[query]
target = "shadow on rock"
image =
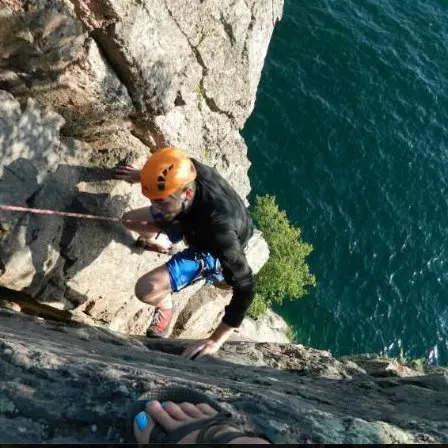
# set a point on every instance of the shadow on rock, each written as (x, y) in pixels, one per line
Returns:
(44, 236)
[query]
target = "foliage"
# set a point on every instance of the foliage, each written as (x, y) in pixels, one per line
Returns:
(286, 274)
(258, 307)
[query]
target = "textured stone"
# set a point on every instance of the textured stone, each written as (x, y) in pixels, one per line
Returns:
(62, 381)
(31, 149)
(268, 328)
(230, 41)
(382, 367)
(89, 84)
(203, 312)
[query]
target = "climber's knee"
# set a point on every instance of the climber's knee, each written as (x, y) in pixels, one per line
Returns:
(152, 287)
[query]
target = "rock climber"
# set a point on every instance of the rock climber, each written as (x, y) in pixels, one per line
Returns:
(191, 201)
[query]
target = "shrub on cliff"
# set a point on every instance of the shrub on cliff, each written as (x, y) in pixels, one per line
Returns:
(286, 274)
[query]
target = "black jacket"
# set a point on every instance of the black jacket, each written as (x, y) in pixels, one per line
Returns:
(219, 223)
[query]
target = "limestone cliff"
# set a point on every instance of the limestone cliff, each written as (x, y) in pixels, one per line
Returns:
(87, 85)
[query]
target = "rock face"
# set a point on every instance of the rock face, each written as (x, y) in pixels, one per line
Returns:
(68, 384)
(268, 328)
(204, 312)
(86, 85)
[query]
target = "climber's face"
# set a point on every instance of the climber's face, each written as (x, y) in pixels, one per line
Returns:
(169, 207)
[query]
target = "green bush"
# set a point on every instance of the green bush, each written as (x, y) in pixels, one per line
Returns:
(258, 307)
(286, 274)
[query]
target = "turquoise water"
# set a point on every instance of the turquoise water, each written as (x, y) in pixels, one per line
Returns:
(350, 133)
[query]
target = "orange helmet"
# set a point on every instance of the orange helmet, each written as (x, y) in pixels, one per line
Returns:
(165, 172)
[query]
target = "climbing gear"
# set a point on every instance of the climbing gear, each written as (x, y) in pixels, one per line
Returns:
(166, 172)
(41, 211)
(191, 266)
(211, 270)
(159, 326)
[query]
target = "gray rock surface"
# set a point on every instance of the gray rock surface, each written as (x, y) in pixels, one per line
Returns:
(91, 84)
(204, 312)
(73, 384)
(268, 328)
(88, 84)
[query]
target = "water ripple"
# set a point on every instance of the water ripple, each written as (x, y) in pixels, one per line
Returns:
(352, 106)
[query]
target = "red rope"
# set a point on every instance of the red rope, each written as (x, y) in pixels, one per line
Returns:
(15, 208)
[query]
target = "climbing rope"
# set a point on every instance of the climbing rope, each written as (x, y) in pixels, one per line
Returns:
(41, 211)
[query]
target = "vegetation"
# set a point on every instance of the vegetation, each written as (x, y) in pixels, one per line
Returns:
(286, 274)
(258, 307)
(199, 91)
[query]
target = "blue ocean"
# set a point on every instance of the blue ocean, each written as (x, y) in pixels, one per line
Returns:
(350, 133)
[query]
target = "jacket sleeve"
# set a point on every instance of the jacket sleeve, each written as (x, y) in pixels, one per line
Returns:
(237, 274)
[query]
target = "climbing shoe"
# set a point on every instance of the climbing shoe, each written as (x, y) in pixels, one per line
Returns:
(159, 326)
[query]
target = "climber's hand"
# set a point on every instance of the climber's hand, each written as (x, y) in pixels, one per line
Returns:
(128, 173)
(201, 348)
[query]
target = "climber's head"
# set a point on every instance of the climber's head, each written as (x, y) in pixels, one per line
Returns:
(168, 180)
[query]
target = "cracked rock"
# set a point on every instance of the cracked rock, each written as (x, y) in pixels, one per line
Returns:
(88, 85)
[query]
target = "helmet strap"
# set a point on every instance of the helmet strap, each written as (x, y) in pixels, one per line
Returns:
(184, 202)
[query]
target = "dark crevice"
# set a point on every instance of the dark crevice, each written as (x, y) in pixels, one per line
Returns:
(229, 31)
(30, 200)
(118, 63)
(140, 131)
(68, 233)
(179, 101)
(30, 306)
(347, 423)
(274, 19)
(14, 173)
(211, 103)
(2, 266)
(249, 30)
